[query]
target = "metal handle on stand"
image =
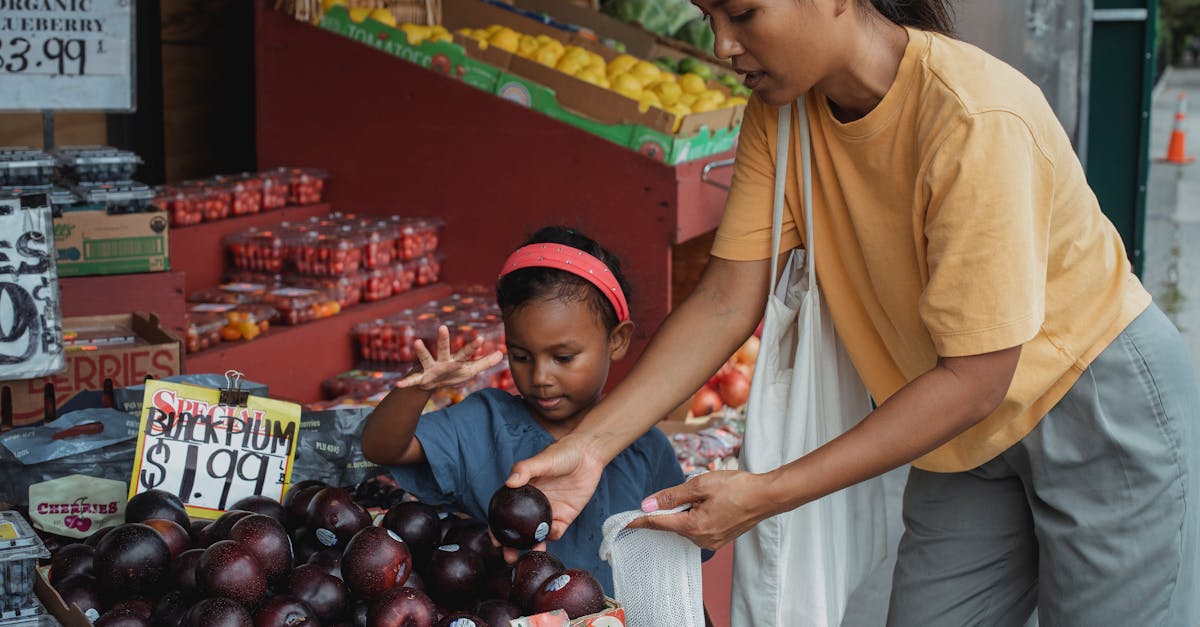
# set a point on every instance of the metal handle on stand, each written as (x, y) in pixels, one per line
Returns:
(709, 167)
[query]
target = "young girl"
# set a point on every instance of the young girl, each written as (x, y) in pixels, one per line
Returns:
(566, 319)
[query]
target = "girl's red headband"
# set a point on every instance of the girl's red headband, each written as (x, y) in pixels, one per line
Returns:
(576, 262)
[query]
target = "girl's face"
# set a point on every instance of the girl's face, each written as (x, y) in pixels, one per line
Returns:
(559, 353)
(781, 47)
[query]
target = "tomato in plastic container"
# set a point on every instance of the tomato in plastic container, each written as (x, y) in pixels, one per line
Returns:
(233, 293)
(332, 253)
(379, 248)
(274, 190)
(298, 305)
(245, 191)
(404, 275)
(306, 186)
(347, 289)
(385, 341)
(416, 236)
(202, 330)
(429, 269)
(378, 284)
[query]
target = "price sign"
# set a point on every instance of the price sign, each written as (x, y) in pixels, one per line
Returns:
(66, 54)
(209, 454)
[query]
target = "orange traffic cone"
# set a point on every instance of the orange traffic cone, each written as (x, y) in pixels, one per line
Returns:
(1175, 149)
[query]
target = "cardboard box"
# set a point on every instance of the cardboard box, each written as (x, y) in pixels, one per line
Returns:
(152, 350)
(68, 616)
(483, 72)
(90, 241)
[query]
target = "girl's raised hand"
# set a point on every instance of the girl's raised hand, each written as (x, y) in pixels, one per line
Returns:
(447, 369)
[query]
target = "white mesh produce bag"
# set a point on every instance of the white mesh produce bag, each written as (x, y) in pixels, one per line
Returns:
(656, 574)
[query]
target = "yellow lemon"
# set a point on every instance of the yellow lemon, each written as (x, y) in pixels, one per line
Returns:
(693, 84)
(545, 41)
(527, 46)
(687, 100)
(596, 78)
(627, 85)
(569, 65)
(439, 33)
(668, 92)
(647, 100)
(702, 106)
(493, 29)
(358, 14)
(578, 54)
(546, 56)
(329, 4)
(505, 39)
(621, 64)
(646, 72)
(735, 101)
(416, 33)
(712, 96)
(383, 16)
(680, 111)
(594, 65)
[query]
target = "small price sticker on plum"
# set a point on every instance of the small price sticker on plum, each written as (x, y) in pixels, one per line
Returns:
(67, 54)
(210, 454)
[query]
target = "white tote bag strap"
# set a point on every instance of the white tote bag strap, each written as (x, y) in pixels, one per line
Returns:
(782, 139)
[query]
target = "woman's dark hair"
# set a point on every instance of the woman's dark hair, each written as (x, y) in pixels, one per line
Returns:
(521, 286)
(932, 15)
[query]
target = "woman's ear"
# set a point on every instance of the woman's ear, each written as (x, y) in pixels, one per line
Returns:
(619, 339)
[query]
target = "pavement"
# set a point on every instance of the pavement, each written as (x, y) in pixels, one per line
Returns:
(1171, 250)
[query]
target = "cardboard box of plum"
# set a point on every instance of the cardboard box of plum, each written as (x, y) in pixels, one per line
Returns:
(318, 557)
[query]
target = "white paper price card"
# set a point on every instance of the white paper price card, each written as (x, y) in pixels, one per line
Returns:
(67, 54)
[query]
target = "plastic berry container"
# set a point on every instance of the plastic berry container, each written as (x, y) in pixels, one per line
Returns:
(385, 341)
(20, 550)
(404, 275)
(259, 251)
(334, 253)
(202, 330)
(274, 190)
(306, 186)
(118, 198)
(22, 165)
(246, 322)
(97, 163)
(379, 247)
(416, 236)
(428, 269)
(378, 284)
(231, 293)
(347, 289)
(298, 305)
(245, 192)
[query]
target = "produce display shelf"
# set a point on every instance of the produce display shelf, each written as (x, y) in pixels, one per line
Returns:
(197, 250)
(157, 292)
(293, 360)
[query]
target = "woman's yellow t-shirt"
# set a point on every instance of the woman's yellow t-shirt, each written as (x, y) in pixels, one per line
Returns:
(953, 219)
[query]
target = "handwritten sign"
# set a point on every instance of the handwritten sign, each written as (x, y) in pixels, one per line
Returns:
(66, 54)
(30, 315)
(209, 454)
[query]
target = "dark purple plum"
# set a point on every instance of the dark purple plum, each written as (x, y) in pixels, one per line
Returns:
(121, 618)
(295, 501)
(498, 612)
(267, 540)
(153, 504)
(305, 544)
(217, 612)
(131, 561)
(461, 619)
(519, 517)
(227, 569)
(264, 505)
(285, 611)
(170, 609)
(72, 559)
(376, 560)
(177, 538)
(199, 532)
(419, 525)
(403, 607)
(455, 576)
(574, 591)
(96, 537)
(498, 583)
(183, 570)
(83, 591)
(328, 560)
(324, 593)
(474, 536)
(335, 517)
(529, 573)
(220, 528)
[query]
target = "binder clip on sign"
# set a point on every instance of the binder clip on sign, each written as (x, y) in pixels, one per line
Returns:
(212, 447)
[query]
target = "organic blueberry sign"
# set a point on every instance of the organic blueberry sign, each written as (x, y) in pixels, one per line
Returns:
(211, 454)
(66, 54)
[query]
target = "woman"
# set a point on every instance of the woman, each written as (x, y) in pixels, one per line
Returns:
(1048, 408)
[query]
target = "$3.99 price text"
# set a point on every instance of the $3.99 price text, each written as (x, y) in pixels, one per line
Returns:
(54, 55)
